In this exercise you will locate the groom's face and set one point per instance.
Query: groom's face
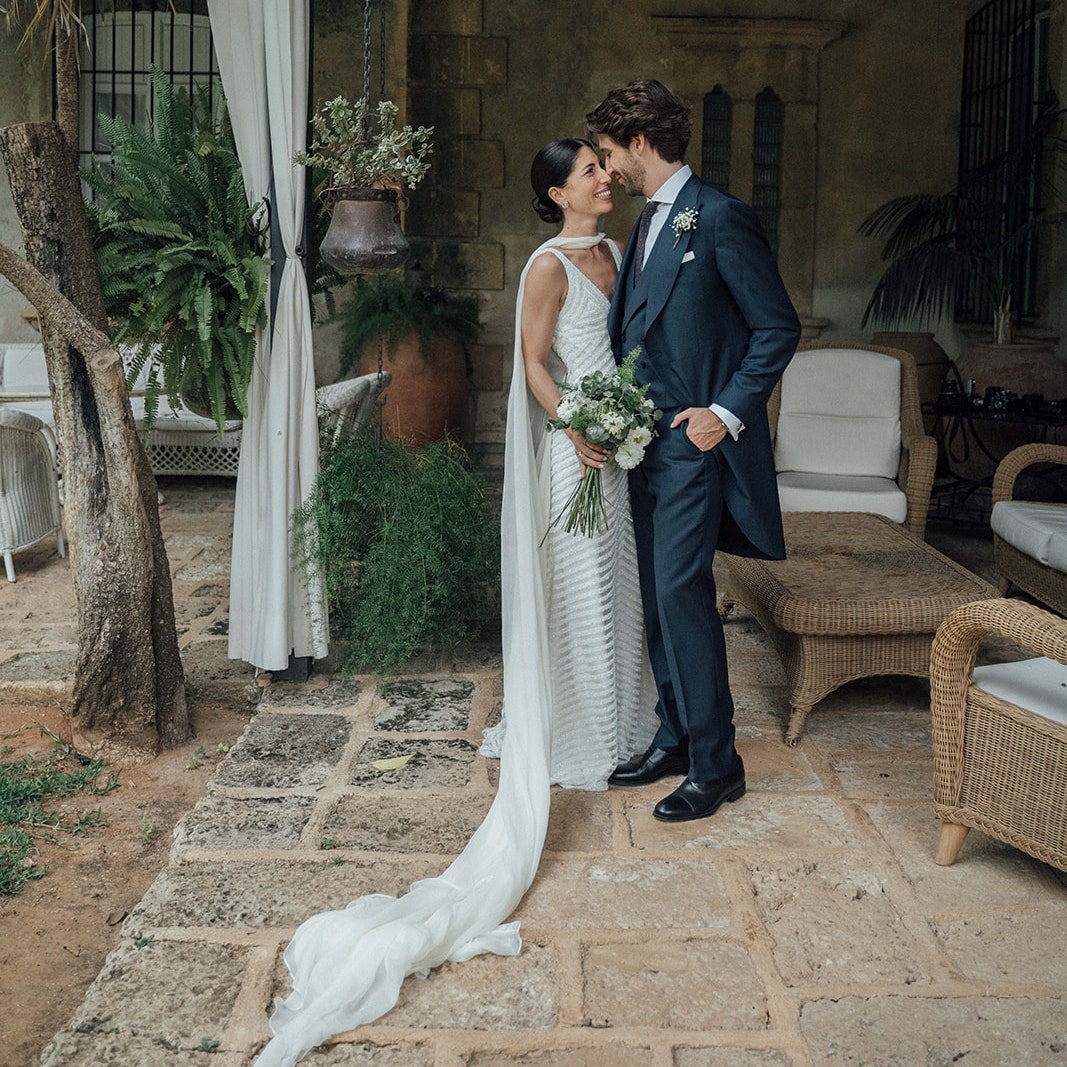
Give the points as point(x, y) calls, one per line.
point(621, 163)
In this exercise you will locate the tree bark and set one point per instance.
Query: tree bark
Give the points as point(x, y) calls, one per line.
point(129, 684)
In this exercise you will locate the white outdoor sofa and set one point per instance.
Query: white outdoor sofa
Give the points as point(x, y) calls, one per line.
point(179, 442)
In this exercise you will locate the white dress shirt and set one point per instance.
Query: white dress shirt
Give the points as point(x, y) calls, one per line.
point(664, 198)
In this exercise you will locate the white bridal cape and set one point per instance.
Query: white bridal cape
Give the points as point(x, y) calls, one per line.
point(348, 966)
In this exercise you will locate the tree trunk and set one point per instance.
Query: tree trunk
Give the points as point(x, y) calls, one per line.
point(129, 685)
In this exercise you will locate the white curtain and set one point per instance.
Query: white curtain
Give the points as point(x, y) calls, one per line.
point(262, 49)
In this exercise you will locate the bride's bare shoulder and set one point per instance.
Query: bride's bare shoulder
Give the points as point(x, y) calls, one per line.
point(546, 272)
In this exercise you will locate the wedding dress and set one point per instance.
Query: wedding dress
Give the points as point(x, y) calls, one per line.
point(347, 966)
point(601, 713)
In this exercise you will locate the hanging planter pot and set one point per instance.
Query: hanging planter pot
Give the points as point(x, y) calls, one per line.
point(197, 398)
point(364, 234)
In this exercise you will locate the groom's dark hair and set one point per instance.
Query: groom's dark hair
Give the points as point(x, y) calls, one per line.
point(647, 107)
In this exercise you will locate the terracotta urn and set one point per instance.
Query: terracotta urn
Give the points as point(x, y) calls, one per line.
point(429, 397)
point(931, 363)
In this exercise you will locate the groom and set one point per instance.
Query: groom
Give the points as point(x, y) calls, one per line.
point(700, 294)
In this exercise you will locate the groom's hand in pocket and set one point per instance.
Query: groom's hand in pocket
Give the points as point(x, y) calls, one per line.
point(704, 428)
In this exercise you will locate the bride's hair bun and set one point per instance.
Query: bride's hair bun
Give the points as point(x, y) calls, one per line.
point(547, 210)
point(550, 169)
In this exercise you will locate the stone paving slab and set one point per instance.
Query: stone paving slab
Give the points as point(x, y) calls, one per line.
point(900, 1031)
point(281, 750)
point(673, 985)
point(836, 923)
point(223, 822)
point(807, 924)
point(267, 893)
point(625, 893)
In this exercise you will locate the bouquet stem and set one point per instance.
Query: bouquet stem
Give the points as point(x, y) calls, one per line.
point(584, 512)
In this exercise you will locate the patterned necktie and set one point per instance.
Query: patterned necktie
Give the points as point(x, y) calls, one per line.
point(642, 237)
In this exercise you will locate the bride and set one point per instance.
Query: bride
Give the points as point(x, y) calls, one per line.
point(572, 645)
point(592, 611)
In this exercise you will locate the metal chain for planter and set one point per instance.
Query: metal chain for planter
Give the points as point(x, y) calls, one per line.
point(379, 400)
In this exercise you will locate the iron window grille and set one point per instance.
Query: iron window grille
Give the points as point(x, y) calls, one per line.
point(767, 163)
point(1005, 80)
point(123, 40)
point(715, 142)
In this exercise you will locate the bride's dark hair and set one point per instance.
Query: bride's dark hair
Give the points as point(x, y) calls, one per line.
point(552, 166)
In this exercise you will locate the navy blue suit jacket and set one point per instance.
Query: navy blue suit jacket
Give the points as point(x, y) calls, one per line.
point(716, 327)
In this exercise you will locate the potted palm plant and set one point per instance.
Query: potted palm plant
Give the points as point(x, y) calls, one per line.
point(970, 245)
point(367, 170)
point(181, 254)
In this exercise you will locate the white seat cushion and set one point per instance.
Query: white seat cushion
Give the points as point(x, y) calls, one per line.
point(41, 408)
point(827, 492)
point(1039, 685)
point(22, 371)
point(840, 414)
point(1036, 529)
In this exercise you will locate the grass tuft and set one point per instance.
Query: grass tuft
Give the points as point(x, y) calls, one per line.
point(26, 785)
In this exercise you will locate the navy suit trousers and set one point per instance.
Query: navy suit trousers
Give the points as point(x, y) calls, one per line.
point(677, 503)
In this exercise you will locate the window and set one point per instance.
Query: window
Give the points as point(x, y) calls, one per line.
point(123, 41)
point(767, 164)
point(715, 142)
point(1005, 79)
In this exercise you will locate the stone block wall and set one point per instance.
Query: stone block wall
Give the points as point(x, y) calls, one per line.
point(452, 64)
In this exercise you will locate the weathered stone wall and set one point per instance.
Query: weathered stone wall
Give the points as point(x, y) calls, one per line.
point(871, 97)
point(25, 96)
point(871, 94)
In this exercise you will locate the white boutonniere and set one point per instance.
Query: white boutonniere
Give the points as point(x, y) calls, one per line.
point(684, 222)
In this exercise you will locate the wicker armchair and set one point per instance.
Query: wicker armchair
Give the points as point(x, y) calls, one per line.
point(998, 765)
point(347, 405)
point(848, 433)
point(29, 485)
point(1035, 528)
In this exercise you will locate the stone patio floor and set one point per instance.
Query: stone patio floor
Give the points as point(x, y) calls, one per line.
point(807, 924)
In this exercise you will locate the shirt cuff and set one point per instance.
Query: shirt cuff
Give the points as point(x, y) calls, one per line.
point(732, 423)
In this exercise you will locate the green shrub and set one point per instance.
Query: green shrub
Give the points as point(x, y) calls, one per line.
point(409, 549)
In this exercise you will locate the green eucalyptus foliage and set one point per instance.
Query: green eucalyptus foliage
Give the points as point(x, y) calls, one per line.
point(408, 546)
point(354, 154)
point(180, 251)
point(393, 307)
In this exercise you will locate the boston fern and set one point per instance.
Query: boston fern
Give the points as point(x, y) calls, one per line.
point(180, 251)
point(407, 546)
point(393, 306)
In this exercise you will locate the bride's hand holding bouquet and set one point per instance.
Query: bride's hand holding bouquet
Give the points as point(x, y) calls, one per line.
point(610, 412)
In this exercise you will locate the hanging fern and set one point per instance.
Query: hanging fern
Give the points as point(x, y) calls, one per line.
point(393, 306)
point(180, 251)
point(408, 548)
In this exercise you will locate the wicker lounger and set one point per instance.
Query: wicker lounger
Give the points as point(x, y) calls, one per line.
point(857, 596)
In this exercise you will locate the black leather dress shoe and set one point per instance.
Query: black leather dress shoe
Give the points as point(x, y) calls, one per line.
point(655, 764)
point(698, 800)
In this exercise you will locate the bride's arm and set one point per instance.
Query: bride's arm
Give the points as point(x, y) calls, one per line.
point(546, 289)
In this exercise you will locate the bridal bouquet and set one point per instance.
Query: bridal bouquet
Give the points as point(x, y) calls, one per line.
point(609, 410)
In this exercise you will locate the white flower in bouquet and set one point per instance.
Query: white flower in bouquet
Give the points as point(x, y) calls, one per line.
point(628, 455)
point(609, 410)
point(569, 403)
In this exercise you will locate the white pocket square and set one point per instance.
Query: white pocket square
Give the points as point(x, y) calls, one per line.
point(688, 256)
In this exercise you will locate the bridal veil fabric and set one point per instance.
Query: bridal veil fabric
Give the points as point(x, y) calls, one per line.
point(347, 966)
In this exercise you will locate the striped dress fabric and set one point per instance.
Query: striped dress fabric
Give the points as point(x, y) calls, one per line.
point(601, 712)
